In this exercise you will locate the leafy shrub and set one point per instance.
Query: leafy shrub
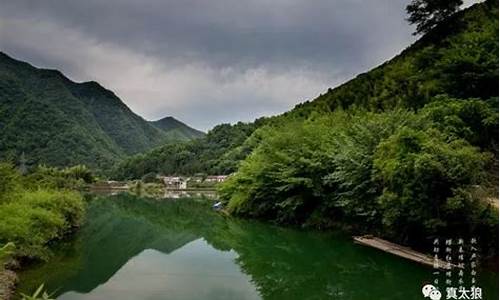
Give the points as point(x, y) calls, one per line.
point(30, 218)
point(29, 228)
point(79, 172)
point(67, 204)
point(9, 181)
point(75, 177)
point(425, 180)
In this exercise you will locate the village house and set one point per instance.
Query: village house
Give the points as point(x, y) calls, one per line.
point(175, 183)
point(217, 178)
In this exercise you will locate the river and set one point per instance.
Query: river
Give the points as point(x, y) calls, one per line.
point(179, 249)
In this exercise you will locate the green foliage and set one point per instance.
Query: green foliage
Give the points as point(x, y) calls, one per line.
point(6, 252)
point(458, 58)
point(75, 177)
point(79, 172)
point(35, 218)
point(473, 120)
point(31, 217)
point(427, 183)
point(279, 180)
point(404, 175)
point(428, 13)
point(9, 181)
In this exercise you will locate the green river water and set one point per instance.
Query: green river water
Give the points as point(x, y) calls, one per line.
point(179, 249)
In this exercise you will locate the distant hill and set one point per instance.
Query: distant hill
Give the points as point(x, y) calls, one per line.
point(56, 121)
point(175, 127)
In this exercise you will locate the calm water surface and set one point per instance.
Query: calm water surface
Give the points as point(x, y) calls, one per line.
point(135, 248)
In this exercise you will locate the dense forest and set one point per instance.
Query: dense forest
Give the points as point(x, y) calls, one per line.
point(402, 174)
point(55, 121)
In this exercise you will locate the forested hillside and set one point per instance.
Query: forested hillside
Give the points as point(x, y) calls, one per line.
point(407, 151)
point(218, 152)
point(458, 58)
point(56, 121)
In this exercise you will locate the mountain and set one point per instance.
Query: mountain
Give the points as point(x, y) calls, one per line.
point(56, 121)
point(178, 128)
point(458, 58)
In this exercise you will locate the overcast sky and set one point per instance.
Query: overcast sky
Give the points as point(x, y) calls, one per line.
point(206, 62)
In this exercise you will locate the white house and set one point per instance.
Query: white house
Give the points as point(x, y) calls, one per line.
point(177, 183)
point(217, 178)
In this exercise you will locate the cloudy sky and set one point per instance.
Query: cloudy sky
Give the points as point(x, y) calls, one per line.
point(206, 62)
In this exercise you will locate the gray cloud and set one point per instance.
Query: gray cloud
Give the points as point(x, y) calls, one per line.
point(207, 62)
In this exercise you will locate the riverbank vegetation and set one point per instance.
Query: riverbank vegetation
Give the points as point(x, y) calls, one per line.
point(38, 207)
point(404, 175)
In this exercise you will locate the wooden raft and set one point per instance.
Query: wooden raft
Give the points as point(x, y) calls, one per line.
point(402, 251)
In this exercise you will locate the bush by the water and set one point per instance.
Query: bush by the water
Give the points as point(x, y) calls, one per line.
point(404, 175)
point(74, 177)
point(31, 216)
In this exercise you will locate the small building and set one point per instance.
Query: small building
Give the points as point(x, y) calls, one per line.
point(216, 178)
point(196, 179)
point(175, 183)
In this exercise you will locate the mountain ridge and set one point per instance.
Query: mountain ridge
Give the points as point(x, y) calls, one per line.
point(171, 124)
point(59, 122)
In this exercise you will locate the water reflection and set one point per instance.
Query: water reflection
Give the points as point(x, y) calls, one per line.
point(176, 194)
point(158, 193)
point(154, 275)
point(135, 248)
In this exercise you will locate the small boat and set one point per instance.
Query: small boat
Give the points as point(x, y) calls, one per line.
point(217, 206)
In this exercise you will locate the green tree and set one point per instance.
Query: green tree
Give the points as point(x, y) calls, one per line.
point(9, 181)
point(427, 181)
point(428, 13)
